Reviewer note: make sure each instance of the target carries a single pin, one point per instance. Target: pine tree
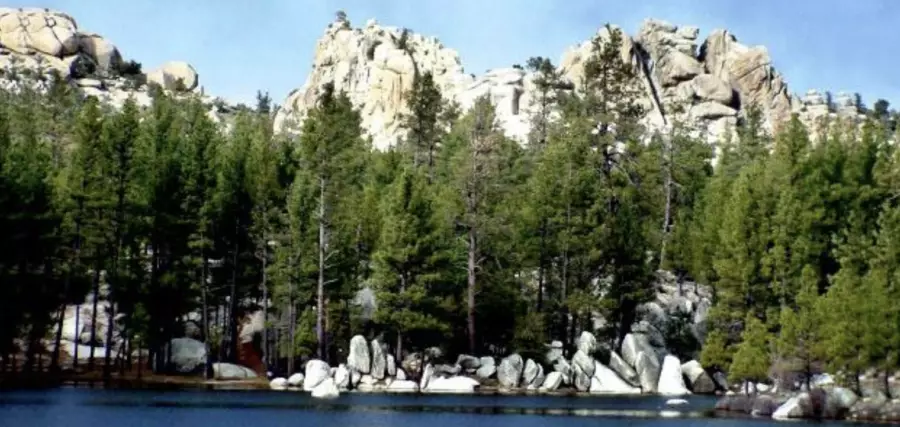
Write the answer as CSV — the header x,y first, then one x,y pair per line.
x,y
799,339
410,259
751,357
423,122
121,138
330,141
475,165
92,196
199,159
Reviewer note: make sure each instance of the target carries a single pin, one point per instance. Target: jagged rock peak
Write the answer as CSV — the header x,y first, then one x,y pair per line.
x,y
375,65
711,83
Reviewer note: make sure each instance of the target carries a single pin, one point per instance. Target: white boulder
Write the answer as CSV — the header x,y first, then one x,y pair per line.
x,y
671,381
326,390
316,373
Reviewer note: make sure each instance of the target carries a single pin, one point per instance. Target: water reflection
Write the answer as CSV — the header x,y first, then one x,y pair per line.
x,y
90,407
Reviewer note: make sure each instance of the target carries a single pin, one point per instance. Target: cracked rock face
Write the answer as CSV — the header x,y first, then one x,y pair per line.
x,y
29,30
36,42
375,66
708,84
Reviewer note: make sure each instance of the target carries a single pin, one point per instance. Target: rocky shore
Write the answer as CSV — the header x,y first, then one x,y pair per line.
x,y
641,369
826,402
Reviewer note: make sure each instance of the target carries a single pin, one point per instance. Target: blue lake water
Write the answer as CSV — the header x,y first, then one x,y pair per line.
x,y
79,407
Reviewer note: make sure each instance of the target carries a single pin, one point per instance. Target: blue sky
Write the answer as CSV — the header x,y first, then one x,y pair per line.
x,y
239,46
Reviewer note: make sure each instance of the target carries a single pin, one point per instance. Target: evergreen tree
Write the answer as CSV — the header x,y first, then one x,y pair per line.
x,y
411,258
751,357
330,142
799,339
423,122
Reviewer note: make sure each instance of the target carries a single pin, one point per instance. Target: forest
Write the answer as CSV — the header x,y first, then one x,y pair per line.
x,y
471,241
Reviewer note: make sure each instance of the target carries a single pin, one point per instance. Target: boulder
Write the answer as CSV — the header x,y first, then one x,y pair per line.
x,y
469,363
295,380
740,403
30,30
606,381
342,377
379,361
531,372
367,380
326,390
355,377
188,355
764,405
790,409
104,53
555,352
721,380
402,386
358,358
427,375
648,370
839,402
552,382
633,345
586,343
447,370
453,385
697,379
565,369
175,76
487,369
671,381
509,373
412,363
278,384
230,371
315,373
584,361
580,379
365,299
806,405
626,372
391,365
652,335
401,375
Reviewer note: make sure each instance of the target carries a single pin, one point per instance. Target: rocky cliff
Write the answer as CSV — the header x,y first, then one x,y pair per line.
x,y
36,43
711,81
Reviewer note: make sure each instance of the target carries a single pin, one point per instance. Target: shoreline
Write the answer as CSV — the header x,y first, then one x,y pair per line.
x,y
174,382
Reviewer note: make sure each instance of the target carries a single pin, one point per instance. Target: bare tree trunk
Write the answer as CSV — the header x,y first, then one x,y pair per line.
x,y
232,318
320,286
57,341
292,315
398,351
265,307
207,366
667,215
542,267
565,261
108,342
94,316
470,300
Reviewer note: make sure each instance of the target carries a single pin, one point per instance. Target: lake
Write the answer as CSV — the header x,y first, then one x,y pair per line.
x,y
80,407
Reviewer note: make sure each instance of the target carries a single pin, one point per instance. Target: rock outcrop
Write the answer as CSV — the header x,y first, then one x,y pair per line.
x,y
707,84
37,44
